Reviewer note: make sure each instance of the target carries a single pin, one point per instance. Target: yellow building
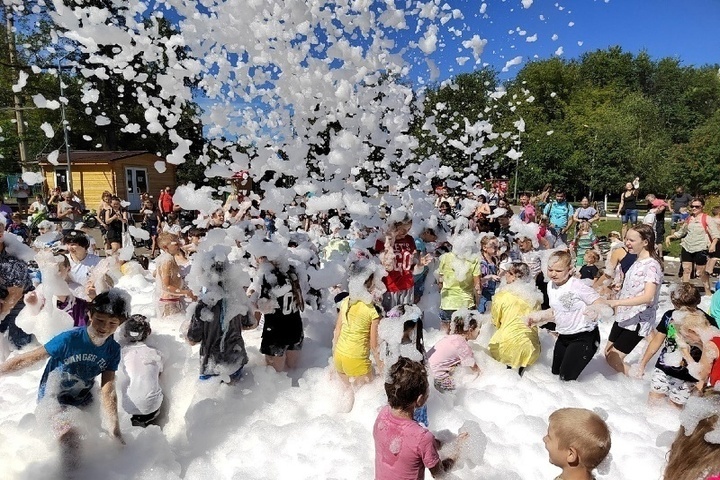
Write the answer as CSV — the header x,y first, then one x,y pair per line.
x,y
125,174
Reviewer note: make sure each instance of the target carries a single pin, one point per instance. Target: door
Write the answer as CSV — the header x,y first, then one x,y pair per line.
x,y
61,179
136,185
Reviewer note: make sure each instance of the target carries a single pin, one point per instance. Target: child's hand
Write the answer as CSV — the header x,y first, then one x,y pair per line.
x,y
637,371
31,298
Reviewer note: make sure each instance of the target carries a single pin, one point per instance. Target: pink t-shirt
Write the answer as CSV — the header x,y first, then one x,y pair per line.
x,y
403,448
448,353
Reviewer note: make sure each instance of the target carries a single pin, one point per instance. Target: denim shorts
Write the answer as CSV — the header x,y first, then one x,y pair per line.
x,y
630,216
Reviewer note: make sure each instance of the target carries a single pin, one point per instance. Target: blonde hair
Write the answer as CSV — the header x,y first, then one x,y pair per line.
x,y
560,256
691,457
694,321
584,226
584,431
166,238
592,254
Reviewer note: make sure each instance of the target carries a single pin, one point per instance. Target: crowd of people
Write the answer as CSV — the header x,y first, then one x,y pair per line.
x,y
525,270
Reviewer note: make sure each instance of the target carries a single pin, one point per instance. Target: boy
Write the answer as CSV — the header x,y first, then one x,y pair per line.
x,y
403,448
577,441
142,365
590,269
75,358
671,378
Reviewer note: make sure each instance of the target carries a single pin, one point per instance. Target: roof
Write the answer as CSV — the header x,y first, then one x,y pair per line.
x,y
90,157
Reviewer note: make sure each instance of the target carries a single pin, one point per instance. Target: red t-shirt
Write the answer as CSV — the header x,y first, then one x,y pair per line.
x,y
166,203
715,372
401,276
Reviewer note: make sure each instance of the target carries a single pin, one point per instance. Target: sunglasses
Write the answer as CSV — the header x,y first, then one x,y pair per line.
x,y
696,206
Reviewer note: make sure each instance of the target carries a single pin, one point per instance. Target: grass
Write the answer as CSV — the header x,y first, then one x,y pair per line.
x,y
606,225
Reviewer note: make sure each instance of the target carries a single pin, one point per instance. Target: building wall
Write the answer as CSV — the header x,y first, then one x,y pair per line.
x,y
93,179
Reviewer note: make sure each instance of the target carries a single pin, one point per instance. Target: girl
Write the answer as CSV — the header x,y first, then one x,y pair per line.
x,y
277,294
569,298
151,222
692,455
637,301
454,350
514,343
618,262
356,328
115,220
107,208
458,277
488,271
584,240
671,377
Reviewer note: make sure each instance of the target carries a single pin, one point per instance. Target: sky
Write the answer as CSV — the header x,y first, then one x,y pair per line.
x,y
665,28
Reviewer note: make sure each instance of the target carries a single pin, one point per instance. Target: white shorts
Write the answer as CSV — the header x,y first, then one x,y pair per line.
x,y
678,391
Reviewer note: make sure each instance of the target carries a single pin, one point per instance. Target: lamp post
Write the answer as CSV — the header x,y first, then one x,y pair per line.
x,y
64,124
592,162
520,125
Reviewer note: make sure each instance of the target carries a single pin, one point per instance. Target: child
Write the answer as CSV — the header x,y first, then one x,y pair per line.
x,y
693,455
141,366
579,337
356,329
488,271
222,348
458,277
589,270
514,343
403,449
585,240
637,301
454,350
169,292
398,255
707,335
671,378
577,441
75,358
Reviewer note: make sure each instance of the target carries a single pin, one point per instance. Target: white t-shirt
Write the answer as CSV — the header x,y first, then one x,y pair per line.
x,y
80,273
569,302
640,273
140,380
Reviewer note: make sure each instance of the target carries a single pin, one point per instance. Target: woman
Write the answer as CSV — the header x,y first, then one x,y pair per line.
x,y
637,301
150,223
700,236
104,206
627,210
116,220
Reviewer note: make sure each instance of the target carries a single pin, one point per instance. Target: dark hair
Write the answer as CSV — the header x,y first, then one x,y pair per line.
x,y
76,237
407,381
685,295
114,302
647,233
137,328
699,199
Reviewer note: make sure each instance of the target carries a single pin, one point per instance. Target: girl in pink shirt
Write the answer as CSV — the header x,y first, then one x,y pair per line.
x,y
454,350
403,448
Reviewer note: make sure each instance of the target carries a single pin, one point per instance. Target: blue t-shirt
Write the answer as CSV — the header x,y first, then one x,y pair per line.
x,y
78,362
559,213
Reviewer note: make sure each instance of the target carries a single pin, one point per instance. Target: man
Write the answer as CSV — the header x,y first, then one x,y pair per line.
x,y
678,201
165,202
69,211
75,358
560,213
659,207
22,193
527,212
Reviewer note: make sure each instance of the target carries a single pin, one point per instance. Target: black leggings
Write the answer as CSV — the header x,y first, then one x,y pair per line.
x,y
573,353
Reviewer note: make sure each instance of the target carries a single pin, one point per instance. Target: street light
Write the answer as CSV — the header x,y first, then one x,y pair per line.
x,y
592,163
64,123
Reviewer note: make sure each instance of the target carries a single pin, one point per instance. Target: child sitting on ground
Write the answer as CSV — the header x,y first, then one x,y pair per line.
x,y
514,343
403,449
671,378
454,350
577,441
141,366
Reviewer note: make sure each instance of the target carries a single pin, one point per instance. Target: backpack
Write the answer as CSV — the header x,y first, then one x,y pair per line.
x,y
704,223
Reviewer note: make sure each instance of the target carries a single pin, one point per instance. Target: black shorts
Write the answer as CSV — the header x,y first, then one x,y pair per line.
x,y
624,340
144,420
698,258
716,253
277,348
